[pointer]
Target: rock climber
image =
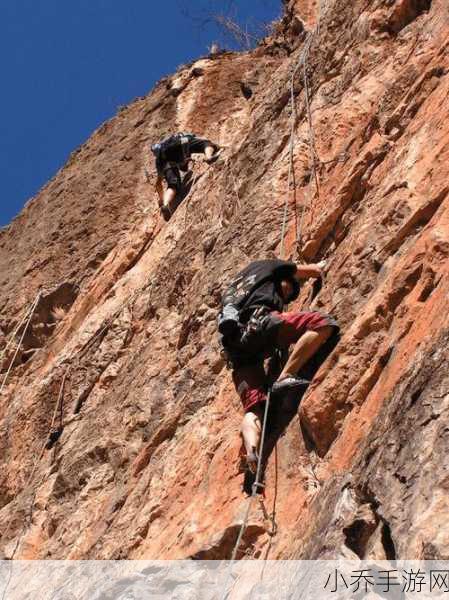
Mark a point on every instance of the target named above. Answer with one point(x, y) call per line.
point(253, 326)
point(173, 155)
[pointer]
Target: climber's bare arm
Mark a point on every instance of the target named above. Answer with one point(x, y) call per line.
point(314, 271)
point(209, 150)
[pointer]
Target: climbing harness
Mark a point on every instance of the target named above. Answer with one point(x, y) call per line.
point(28, 316)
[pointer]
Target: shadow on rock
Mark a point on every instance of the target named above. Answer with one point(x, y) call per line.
point(184, 191)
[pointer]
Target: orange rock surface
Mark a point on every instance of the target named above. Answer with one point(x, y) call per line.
point(147, 463)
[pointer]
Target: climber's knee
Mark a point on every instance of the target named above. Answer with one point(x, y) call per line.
point(251, 421)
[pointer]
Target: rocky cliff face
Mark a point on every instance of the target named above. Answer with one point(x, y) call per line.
point(122, 345)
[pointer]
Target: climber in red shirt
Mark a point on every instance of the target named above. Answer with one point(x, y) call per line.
point(252, 326)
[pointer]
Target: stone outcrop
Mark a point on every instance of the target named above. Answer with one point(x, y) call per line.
point(122, 350)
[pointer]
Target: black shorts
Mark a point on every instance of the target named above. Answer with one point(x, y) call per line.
point(172, 170)
point(172, 176)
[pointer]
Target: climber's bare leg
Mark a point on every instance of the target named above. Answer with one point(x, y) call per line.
point(169, 197)
point(251, 428)
point(309, 343)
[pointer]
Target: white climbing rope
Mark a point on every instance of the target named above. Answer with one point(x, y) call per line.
point(257, 484)
point(28, 318)
point(58, 408)
point(13, 335)
point(302, 63)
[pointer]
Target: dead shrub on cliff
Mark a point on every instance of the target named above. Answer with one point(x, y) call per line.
point(223, 18)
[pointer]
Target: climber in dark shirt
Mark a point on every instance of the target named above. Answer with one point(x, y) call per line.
point(253, 325)
point(172, 157)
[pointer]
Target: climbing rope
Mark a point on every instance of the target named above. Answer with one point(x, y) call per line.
point(312, 147)
point(291, 170)
point(58, 408)
point(26, 318)
point(256, 485)
point(55, 432)
point(302, 64)
point(13, 335)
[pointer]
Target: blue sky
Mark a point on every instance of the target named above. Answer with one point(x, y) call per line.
point(66, 66)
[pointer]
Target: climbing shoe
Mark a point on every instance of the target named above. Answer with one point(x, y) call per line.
point(54, 436)
point(288, 384)
point(166, 212)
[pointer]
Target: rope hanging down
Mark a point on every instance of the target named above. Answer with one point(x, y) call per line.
point(257, 484)
point(14, 333)
point(54, 432)
point(27, 521)
point(302, 63)
point(28, 316)
point(291, 177)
